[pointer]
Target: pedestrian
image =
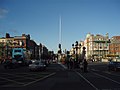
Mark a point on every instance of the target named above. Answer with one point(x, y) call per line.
point(67, 62)
point(71, 63)
point(85, 65)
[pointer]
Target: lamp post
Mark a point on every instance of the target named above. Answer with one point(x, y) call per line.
point(83, 53)
point(73, 49)
point(76, 47)
point(85, 64)
point(76, 54)
point(59, 52)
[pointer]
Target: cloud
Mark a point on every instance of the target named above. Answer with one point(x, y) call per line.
point(3, 12)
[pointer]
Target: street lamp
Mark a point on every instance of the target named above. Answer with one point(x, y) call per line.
point(76, 47)
point(76, 54)
point(85, 64)
point(84, 52)
point(73, 49)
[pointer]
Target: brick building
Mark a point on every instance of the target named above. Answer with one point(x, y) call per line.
point(8, 42)
point(115, 46)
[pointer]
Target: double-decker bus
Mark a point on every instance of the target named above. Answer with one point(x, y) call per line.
point(18, 55)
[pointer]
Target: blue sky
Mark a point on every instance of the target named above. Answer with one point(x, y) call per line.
point(40, 19)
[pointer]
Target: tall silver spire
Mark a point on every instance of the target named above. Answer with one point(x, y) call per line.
point(60, 33)
point(60, 30)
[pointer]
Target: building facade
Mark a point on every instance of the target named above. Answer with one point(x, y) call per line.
point(115, 46)
point(34, 50)
point(7, 43)
point(97, 46)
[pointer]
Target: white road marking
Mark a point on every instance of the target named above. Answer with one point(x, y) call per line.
point(62, 65)
point(94, 70)
point(87, 81)
point(18, 76)
point(24, 84)
point(110, 73)
point(12, 80)
point(39, 79)
point(106, 78)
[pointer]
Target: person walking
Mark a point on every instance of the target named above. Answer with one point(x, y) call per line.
point(71, 63)
point(68, 64)
point(85, 65)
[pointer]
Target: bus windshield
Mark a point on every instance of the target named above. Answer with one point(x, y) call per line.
point(17, 50)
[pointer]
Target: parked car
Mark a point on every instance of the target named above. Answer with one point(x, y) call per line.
point(37, 66)
point(33, 61)
point(10, 64)
point(27, 62)
point(114, 65)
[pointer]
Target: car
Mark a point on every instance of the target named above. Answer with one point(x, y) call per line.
point(9, 64)
point(33, 61)
point(114, 65)
point(27, 62)
point(37, 66)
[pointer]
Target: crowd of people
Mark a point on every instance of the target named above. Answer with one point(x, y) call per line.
point(72, 64)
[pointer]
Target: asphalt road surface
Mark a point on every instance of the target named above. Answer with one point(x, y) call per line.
point(57, 77)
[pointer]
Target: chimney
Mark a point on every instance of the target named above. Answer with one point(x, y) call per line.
point(7, 35)
point(23, 35)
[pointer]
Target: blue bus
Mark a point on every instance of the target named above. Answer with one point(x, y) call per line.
point(18, 55)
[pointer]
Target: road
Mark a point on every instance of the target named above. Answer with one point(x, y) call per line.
point(56, 77)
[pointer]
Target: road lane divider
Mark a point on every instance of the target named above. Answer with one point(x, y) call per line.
point(39, 79)
point(18, 76)
point(107, 72)
point(87, 81)
point(94, 70)
point(62, 65)
point(106, 78)
point(12, 81)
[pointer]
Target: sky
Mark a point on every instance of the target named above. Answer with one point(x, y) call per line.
point(41, 19)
